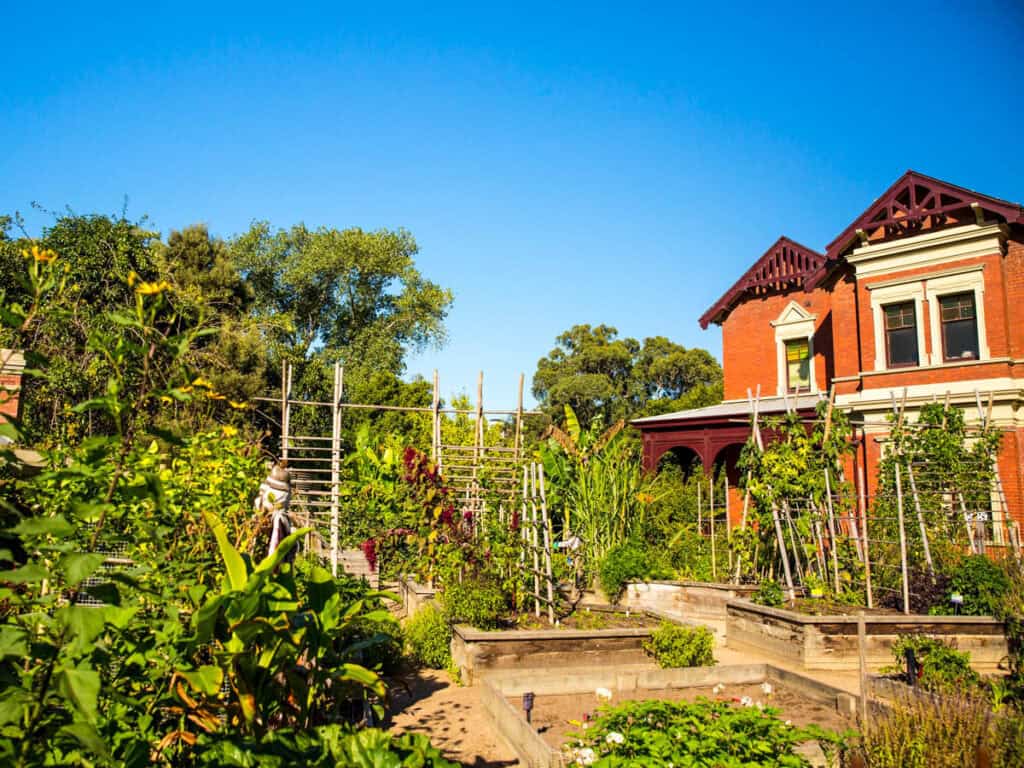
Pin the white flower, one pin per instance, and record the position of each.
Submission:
(759, 705)
(789, 722)
(766, 689)
(746, 701)
(614, 737)
(718, 689)
(603, 694)
(585, 756)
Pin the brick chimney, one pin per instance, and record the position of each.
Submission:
(12, 363)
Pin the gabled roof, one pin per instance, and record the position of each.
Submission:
(785, 265)
(914, 198)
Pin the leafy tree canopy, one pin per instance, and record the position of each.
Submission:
(598, 374)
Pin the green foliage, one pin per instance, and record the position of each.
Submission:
(981, 582)
(428, 637)
(659, 734)
(673, 645)
(476, 602)
(198, 653)
(769, 593)
(599, 375)
(630, 561)
(942, 667)
(937, 732)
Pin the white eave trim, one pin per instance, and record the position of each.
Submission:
(929, 249)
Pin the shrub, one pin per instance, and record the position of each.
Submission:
(478, 603)
(428, 638)
(631, 561)
(658, 734)
(673, 645)
(938, 732)
(769, 593)
(942, 667)
(982, 582)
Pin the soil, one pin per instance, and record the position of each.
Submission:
(589, 619)
(551, 714)
(452, 716)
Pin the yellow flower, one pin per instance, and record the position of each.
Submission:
(644, 498)
(229, 431)
(151, 289)
(237, 405)
(38, 254)
(215, 396)
(166, 399)
(201, 382)
(132, 278)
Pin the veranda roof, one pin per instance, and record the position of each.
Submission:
(733, 409)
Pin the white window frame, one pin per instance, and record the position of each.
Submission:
(937, 287)
(898, 294)
(793, 324)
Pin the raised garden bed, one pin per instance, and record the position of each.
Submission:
(830, 641)
(570, 693)
(476, 652)
(415, 595)
(691, 599)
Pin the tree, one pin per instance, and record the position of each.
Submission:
(327, 294)
(598, 374)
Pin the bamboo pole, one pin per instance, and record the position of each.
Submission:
(903, 541)
(700, 523)
(534, 539)
(519, 419)
(547, 545)
(711, 516)
(335, 464)
(435, 422)
(831, 522)
(920, 521)
(862, 505)
(863, 667)
(728, 523)
(801, 572)
(782, 551)
(286, 408)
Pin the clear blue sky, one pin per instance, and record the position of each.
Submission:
(618, 164)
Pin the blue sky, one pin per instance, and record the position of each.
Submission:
(590, 163)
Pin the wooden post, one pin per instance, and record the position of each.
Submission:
(903, 541)
(435, 423)
(782, 551)
(534, 540)
(700, 522)
(920, 522)
(863, 664)
(728, 523)
(549, 576)
(863, 508)
(339, 373)
(519, 420)
(711, 517)
(832, 522)
(286, 408)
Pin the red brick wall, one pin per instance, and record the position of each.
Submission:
(1013, 282)
(8, 394)
(749, 354)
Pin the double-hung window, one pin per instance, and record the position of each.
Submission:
(959, 320)
(798, 365)
(900, 335)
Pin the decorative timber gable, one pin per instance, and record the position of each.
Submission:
(783, 267)
(916, 203)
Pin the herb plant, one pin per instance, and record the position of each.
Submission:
(673, 645)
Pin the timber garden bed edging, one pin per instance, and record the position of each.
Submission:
(830, 642)
(533, 751)
(691, 599)
(476, 652)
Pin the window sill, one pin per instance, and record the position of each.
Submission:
(943, 366)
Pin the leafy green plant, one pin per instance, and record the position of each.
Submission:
(942, 667)
(769, 593)
(428, 637)
(673, 645)
(659, 734)
(630, 561)
(981, 582)
(478, 603)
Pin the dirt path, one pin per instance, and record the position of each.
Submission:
(454, 719)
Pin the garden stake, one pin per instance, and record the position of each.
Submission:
(549, 578)
(862, 504)
(903, 542)
(782, 552)
(863, 664)
(796, 552)
(920, 522)
(711, 515)
(831, 518)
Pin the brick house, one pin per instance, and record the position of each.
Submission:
(924, 291)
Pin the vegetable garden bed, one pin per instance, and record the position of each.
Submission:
(694, 599)
(571, 693)
(475, 652)
(830, 642)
